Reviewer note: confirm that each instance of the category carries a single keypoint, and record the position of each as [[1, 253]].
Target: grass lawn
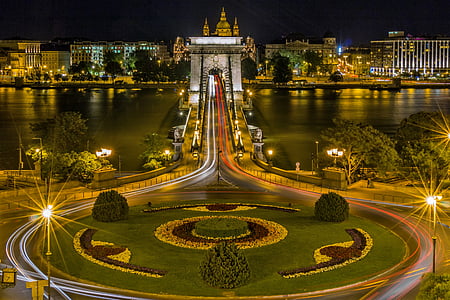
[[305, 234]]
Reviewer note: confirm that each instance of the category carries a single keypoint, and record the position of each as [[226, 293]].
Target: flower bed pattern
[[221, 207], [179, 233], [108, 255], [218, 206], [337, 255]]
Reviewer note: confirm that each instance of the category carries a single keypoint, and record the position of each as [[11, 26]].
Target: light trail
[[388, 285]]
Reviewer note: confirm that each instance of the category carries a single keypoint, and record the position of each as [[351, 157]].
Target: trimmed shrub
[[434, 286], [225, 267], [331, 207], [110, 206]]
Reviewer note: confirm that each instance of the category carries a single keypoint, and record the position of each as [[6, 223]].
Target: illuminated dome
[[223, 28]]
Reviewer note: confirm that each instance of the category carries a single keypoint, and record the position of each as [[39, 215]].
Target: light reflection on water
[[117, 119], [292, 120]]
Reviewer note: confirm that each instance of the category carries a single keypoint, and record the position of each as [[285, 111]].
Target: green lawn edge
[[296, 250]]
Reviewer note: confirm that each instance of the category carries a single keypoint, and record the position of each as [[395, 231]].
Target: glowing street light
[[47, 214], [335, 153], [270, 153], [103, 153], [167, 153], [432, 200]]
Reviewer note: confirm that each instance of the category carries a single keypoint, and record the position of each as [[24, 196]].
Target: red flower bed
[[221, 207], [101, 253], [184, 231], [339, 255]]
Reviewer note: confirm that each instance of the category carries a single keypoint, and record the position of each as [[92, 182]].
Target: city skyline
[[351, 22]]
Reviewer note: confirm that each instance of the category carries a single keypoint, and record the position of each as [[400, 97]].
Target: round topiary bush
[[110, 206], [221, 227], [331, 207], [225, 267]]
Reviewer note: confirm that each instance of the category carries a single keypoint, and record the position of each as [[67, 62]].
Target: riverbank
[[361, 84]]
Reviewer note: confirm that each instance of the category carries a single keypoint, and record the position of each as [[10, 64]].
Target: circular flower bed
[[180, 233], [221, 207], [220, 228]]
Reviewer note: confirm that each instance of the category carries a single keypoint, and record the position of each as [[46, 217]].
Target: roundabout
[[288, 239]]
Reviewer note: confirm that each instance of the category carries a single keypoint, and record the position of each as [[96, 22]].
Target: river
[[118, 119], [291, 120]]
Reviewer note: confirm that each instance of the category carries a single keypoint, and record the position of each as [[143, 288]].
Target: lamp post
[[167, 153], [47, 214], [266, 66], [270, 152], [335, 153], [40, 154], [432, 200], [317, 156]]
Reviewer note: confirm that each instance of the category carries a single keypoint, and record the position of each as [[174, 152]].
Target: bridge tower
[[216, 52]]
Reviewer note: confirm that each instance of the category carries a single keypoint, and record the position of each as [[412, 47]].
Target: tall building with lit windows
[[94, 51], [401, 55]]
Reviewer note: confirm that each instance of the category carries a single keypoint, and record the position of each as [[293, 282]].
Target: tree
[[182, 70], [312, 60], [336, 76], [331, 207], [67, 132], [434, 286], [225, 267], [64, 141], [153, 155], [282, 73], [249, 69], [113, 63], [422, 142], [361, 142], [110, 206]]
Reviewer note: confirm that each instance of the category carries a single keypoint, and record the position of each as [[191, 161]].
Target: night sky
[[352, 22]]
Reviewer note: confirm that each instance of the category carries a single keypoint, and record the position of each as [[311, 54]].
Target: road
[[220, 171]]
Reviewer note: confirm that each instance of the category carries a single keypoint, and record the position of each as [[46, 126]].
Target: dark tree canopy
[[361, 143], [423, 145], [67, 132], [249, 69], [282, 72]]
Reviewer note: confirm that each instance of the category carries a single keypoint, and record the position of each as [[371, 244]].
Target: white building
[[401, 55]]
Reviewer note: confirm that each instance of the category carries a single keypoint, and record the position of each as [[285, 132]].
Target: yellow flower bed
[[276, 233], [319, 258], [124, 256], [205, 209]]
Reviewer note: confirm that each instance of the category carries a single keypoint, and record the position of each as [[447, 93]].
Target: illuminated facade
[[23, 56], [400, 55], [219, 53], [94, 51], [298, 44]]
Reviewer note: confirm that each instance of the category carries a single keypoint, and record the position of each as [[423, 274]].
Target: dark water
[[292, 120], [117, 119]]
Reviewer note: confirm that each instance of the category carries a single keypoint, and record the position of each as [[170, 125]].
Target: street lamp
[[40, 154], [103, 152], [432, 200], [167, 153], [317, 156], [335, 153], [270, 152], [47, 214]]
